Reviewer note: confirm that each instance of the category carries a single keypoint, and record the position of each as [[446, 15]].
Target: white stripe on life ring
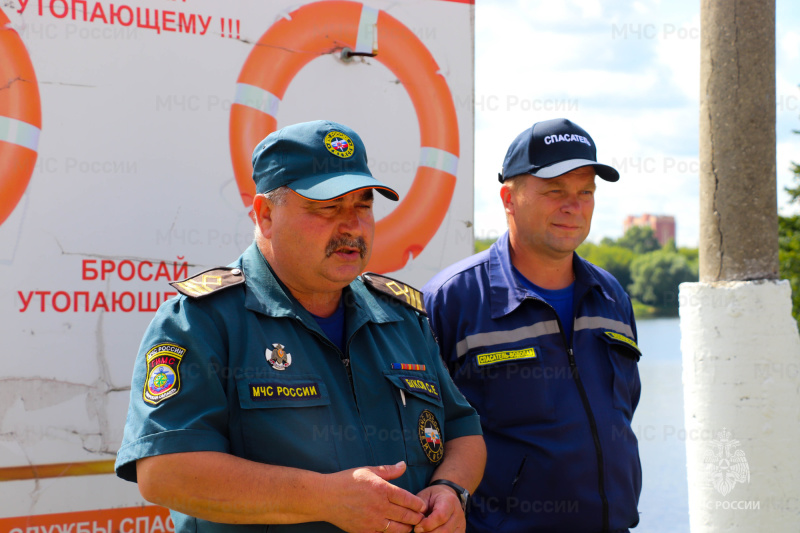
[[17, 132], [257, 98], [438, 159], [367, 41]]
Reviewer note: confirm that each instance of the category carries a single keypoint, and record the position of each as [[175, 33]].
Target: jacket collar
[[265, 294], [507, 293]]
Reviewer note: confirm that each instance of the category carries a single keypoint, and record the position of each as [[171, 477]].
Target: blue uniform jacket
[[202, 382], [556, 412]]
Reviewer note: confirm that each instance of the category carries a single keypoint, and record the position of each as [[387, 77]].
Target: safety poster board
[[126, 130]]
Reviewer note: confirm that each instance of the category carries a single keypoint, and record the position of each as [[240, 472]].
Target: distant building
[[663, 226]]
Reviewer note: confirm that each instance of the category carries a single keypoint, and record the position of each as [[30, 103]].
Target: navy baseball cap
[[319, 160], [551, 148]]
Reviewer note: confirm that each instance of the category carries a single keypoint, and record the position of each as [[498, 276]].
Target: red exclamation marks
[[230, 27]]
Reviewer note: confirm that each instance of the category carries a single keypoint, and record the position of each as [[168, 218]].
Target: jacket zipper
[[589, 414], [345, 357], [342, 357]]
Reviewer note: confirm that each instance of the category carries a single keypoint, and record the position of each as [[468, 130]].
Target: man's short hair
[[277, 196], [514, 182]]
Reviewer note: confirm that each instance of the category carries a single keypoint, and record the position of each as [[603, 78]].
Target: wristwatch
[[461, 492]]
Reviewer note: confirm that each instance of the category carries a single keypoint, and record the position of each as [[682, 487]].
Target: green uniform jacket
[[203, 381]]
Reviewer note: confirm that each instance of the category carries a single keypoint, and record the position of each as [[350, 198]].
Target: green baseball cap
[[319, 160]]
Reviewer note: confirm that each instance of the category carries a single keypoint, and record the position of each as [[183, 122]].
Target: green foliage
[[789, 244], [692, 255], [615, 259], [639, 239], [656, 276], [789, 256], [794, 192], [650, 273], [651, 276], [483, 244], [641, 311]]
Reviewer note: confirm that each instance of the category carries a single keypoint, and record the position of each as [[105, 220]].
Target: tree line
[[789, 243], [651, 273]]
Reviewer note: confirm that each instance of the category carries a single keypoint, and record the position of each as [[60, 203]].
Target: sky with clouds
[[627, 72]]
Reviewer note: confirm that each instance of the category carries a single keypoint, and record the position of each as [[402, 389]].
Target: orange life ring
[[327, 27], [20, 118]]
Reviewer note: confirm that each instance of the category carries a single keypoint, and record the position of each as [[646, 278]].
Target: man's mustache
[[337, 243]]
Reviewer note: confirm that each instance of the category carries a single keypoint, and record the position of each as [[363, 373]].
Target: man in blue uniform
[[284, 390], [543, 344]]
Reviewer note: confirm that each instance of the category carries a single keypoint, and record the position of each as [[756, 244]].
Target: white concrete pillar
[[741, 377]]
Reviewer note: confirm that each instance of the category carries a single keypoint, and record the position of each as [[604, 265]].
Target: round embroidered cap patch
[[339, 144]]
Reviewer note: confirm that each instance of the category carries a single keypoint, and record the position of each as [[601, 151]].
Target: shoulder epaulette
[[209, 281], [396, 290]]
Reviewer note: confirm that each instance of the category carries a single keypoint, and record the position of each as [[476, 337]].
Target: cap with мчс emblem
[[319, 160], [552, 148]]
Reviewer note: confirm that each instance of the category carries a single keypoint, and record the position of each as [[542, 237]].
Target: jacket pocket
[[508, 499], [516, 388], [420, 408], [286, 420], [624, 355]]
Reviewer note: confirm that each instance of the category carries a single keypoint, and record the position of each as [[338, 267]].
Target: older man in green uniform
[[284, 389]]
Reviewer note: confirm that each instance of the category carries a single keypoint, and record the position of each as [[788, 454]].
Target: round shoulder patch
[[339, 144], [430, 437]]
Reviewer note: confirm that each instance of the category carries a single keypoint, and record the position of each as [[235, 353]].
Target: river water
[[659, 426]]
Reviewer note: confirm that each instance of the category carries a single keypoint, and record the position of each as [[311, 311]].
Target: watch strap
[[461, 492]]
